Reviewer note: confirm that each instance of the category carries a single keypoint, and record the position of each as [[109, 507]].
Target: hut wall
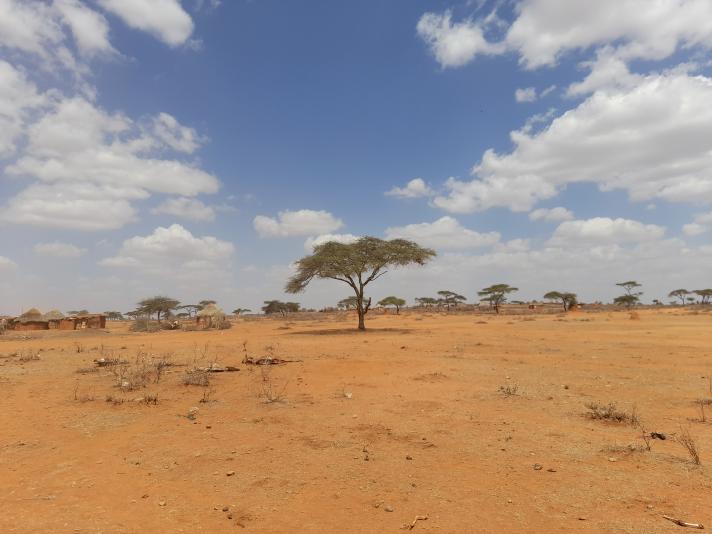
[[67, 324], [32, 325]]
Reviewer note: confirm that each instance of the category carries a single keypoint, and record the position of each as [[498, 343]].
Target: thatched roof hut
[[210, 316], [30, 316], [54, 315]]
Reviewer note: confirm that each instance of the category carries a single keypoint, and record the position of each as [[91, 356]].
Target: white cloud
[[173, 251], [694, 229], [446, 233], [188, 208], [29, 26], [527, 94], [166, 19], [90, 29], [312, 242], [58, 250], [605, 231], [296, 223], [7, 264], [454, 45], [88, 179], [651, 140], [551, 214], [174, 135], [416, 188], [544, 30]]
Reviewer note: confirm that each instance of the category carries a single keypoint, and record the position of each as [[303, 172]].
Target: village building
[[210, 317], [33, 319]]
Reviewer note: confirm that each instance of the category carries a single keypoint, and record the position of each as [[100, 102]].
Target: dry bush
[[269, 391], [610, 412], [196, 377], [87, 370], [28, 355], [224, 325], [509, 390], [114, 400], [686, 440], [161, 365], [207, 396], [150, 399], [144, 325]]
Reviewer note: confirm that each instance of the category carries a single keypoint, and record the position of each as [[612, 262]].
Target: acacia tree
[[630, 286], [114, 315], [704, 295], [277, 306], [392, 301], [204, 303], [238, 311], [158, 305], [679, 294], [568, 300], [496, 294], [426, 302], [627, 300], [357, 264], [450, 298], [190, 309], [347, 303]]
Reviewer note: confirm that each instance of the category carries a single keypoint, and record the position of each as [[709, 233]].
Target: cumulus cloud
[[175, 135], [296, 223], [166, 19], [89, 28], [58, 250], [651, 140], [188, 208], [88, 179], [454, 45], [544, 30], [527, 94], [605, 231], [416, 188], [702, 224], [551, 214], [312, 242], [446, 233], [6, 264], [173, 251]]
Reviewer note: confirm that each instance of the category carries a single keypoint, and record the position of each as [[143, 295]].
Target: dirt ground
[[366, 431]]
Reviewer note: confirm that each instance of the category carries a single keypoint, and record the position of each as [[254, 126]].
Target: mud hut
[[53, 319], [82, 322], [210, 317], [32, 319]]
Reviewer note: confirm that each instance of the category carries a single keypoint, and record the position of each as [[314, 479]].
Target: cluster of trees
[[686, 297], [276, 306], [166, 307]]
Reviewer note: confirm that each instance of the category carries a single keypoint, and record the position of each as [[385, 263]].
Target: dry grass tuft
[[609, 412], [686, 440], [196, 377]]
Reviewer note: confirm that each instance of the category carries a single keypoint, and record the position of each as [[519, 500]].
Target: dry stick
[[683, 523], [417, 518]]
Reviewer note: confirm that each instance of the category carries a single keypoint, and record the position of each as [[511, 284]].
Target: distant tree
[[191, 309], [627, 300], [238, 311], [347, 303], [568, 300], [679, 294], [114, 315], [392, 301], [160, 305], [657, 302], [450, 298], [704, 294], [204, 303], [496, 294], [277, 306], [78, 312], [426, 302], [630, 286], [357, 264]]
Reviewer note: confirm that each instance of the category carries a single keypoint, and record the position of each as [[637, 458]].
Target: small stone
[[377, 505], [650, 507], [582, 518], [388, 508], [225, 508], [208, 427], [538, 467], [230, 473], [229, 516], [551, 470], [144, 496], [408, 457], [611, 459], [161, 503], [509, 501]]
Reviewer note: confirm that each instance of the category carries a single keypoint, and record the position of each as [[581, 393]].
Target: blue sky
[[197, 148]]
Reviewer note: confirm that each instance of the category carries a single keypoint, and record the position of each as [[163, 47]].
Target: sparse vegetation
[[196, 377], [687, 441], [496, 294], [610, 412], [509, 390]]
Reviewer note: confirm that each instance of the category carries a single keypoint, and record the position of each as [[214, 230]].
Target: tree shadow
[[349, 331]]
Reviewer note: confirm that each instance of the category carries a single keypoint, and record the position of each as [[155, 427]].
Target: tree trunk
[[361, 316]]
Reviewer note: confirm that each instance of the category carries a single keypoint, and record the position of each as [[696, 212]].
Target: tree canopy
[[568, 300], [496, 294], [679, 294], [629, 286], [160, 305], [238, 311], [347, 303], [450, 298], [277, 306], [704, 294], [357, 264], [392, 301], [627, 300], [426, 301]]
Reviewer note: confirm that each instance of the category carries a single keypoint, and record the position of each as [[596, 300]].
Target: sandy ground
[[373, 429]]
